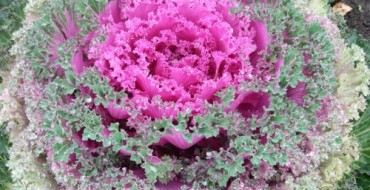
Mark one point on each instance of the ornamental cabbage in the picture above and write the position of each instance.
(178, 94)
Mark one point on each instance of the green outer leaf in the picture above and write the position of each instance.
(362, 132)
(363, 181)
(63, 151)
(5, 178)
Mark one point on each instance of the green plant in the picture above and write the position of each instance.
(359, 178)
(5, 178)
(11, 16)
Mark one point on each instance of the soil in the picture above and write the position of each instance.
(359, 17)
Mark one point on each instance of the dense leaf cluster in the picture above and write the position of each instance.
(84, 150)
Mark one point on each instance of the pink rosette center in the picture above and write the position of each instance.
(171, 56)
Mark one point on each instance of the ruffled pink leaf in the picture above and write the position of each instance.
(323, 113)
(297, 94)
(261, 39)
(117, 112)
(124, 152)
(111, 13)
(177, 139)
(155, 160)
(159, 112)
(66, 29)
(77, 61)
(251, 103)
(184, 77)
(172, 185)
(278, 65)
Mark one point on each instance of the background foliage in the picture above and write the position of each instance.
(11, 16)
(5, 178)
